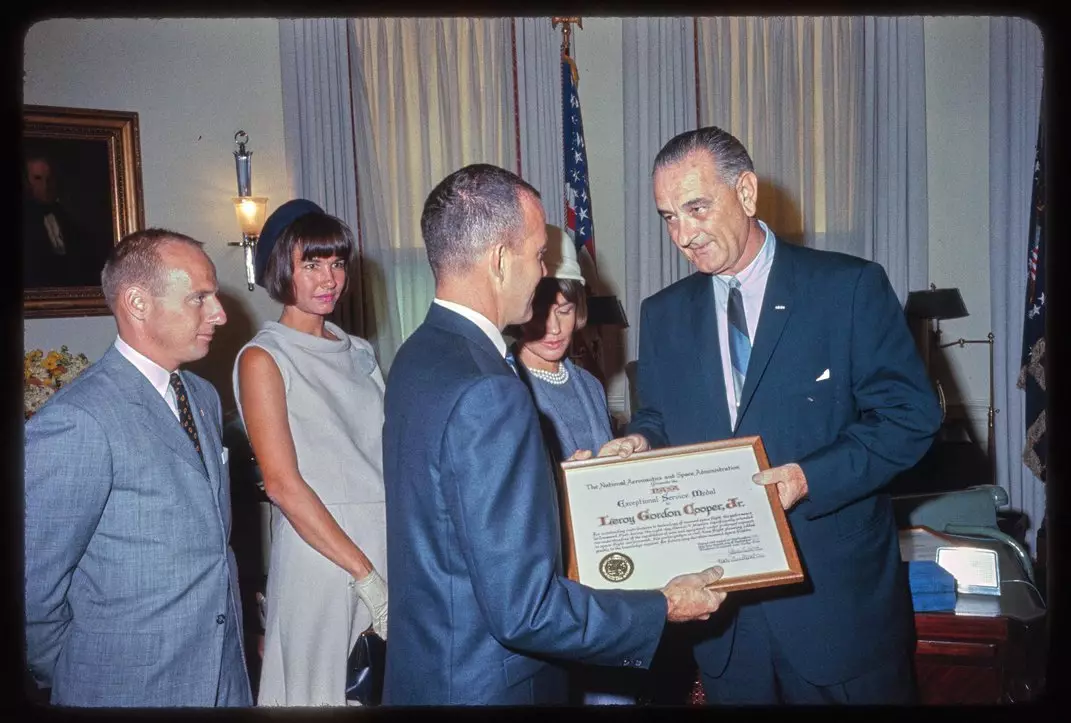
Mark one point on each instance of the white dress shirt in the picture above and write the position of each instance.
(479, 320)
(159, 377)
(752, 289)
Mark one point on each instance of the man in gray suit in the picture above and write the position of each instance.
(131, 586)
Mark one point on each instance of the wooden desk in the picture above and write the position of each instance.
(992, 649)
(978, 660)
(970, 660)
(995, 657)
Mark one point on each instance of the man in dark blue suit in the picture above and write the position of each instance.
(811, 351)
(478, 604)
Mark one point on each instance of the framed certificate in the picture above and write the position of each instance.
(635, 523)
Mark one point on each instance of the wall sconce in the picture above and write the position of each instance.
(938, 304)
(251, 210)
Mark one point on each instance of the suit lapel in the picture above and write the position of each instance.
(211, 447)
(777, 306)
(205, 433)
(150, 412)
(701, 325)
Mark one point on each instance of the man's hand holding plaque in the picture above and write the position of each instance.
(791, 483)
(690, 596)
(625, 446)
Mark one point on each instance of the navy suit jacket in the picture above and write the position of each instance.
(875, 415)
(478, 605)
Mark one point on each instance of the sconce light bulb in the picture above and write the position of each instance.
(251, 212)
(248, 208)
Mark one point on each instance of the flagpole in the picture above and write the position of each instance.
(586, 344)
(566, 23)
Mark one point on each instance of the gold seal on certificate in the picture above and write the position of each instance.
(616, 567)
(635, 523)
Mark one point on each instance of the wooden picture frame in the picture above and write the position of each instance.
(81, 193)
(677, 510)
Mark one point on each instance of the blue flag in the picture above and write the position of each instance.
(578, 221)
(1032, 372)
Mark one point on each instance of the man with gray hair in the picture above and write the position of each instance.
(131, 586)
(479, 607)
(809, 350)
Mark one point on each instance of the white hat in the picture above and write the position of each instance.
(560, 257)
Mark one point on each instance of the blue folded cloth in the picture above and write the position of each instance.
(932, 587)
(933, 601)
(927, 576)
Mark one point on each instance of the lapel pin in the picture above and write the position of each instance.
(779, 307)
(202, 412)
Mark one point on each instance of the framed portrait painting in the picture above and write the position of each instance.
(81, 194)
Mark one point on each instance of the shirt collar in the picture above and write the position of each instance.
(159, 377)
(760, 264)
(479, 320)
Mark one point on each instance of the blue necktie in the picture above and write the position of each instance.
(512, 361)
(739, 341)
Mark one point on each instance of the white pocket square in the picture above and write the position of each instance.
(823, 376)
(225, 455)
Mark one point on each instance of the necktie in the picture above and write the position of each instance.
(185, 415)
(739, 341)
(512, 363)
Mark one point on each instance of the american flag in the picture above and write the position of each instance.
(578, 221)
(1032, 373)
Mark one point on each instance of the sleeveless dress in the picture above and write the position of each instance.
(334, 398)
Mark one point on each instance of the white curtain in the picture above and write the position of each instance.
(833, 112)
(1015, 80)
(318, 130)
(430, 96)
(539, 112)
(659, 98)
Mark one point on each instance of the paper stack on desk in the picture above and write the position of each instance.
(932, 587)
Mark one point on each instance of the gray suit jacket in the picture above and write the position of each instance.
(131, 586)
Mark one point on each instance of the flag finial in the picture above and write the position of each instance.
(566, 22)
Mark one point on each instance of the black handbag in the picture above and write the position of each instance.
(365, 667)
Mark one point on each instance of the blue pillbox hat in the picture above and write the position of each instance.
(277, 222)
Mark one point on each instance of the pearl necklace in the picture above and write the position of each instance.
(559, 377)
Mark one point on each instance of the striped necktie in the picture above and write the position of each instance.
(739, 341)
(185, 414)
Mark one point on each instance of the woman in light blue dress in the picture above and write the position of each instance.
(573, 414)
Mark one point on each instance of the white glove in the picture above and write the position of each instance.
(372, 590)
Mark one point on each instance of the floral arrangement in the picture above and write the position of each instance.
(44, 373)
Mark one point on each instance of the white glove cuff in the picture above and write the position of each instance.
(372, 589)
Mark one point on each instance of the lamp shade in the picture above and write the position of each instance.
(935, 304)
(251, 212)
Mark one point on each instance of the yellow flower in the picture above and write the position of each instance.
(44, 373)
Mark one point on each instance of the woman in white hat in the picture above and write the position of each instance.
(572, 410)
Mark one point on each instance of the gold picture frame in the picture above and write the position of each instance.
(82, 192)
(665, 512)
